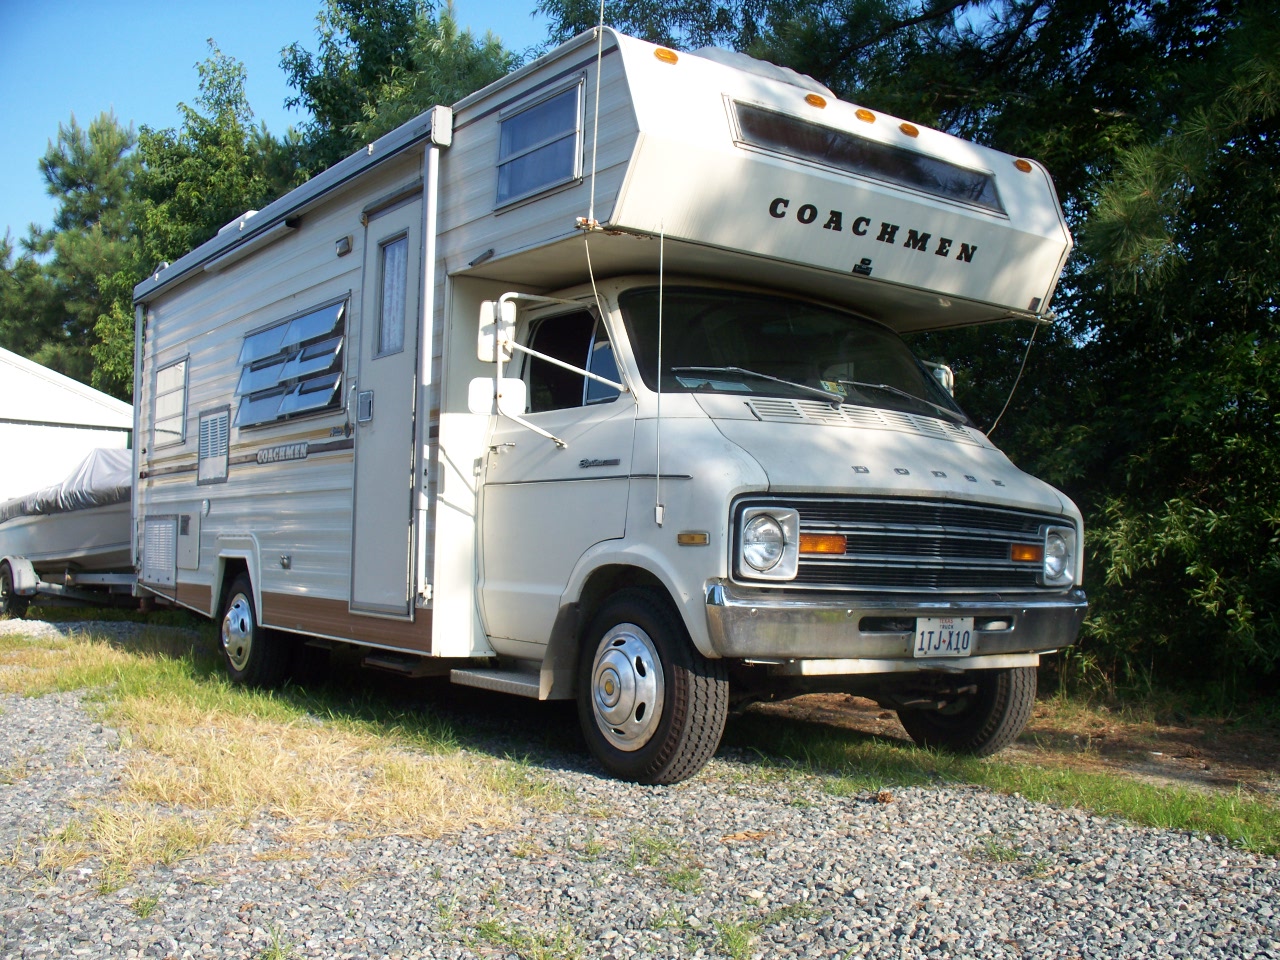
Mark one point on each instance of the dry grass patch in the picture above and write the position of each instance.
(311, 773)
(124, 838)
(78, 662)
(196, 742)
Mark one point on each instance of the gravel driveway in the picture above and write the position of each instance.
(737, 863)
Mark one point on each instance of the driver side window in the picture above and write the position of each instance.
(575, 338)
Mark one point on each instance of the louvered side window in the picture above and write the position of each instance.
(215, 437)
(292, 367)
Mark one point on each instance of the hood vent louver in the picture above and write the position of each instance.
(780, 410)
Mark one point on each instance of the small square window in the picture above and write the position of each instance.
(540, 147)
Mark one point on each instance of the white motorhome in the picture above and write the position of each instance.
(591, 387)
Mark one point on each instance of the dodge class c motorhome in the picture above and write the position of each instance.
(591, 386)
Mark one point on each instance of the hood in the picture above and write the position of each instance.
(811, 447)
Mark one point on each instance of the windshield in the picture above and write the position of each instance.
(728, 341)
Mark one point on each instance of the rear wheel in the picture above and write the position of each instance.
(11, 605)
(255, 655)
(652, 708)
(983, 720)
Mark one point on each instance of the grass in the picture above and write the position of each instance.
(224, 755)
(735, 937)
(855, 764)
(559, 944)
(318, 758)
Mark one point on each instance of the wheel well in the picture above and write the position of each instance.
(561, 658)
(607, 581)
(232, 567)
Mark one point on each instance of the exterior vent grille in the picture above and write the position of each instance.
(778, 410)
(160, 551)
(901, 545)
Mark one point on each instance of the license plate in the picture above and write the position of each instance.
(943, 637)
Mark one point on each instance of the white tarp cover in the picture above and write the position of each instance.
(103, 478)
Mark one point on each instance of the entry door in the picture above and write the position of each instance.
(390, 317)
(544, 506)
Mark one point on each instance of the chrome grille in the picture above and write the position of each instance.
(917, 545)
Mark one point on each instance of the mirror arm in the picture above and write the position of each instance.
(512, 345)
(520, 420)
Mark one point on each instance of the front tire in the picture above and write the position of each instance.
(255, 656)
(982, 722)
(652, 708)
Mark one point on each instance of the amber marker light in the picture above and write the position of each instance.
(814, 100)
(822, 543)
(1026, 552)
(693, 539)
(910, 129)
(866, 116)
(666, 56)
(1023, 165)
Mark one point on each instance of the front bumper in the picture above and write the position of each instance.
(764, 625)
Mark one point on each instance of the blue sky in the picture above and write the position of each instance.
(137, 58)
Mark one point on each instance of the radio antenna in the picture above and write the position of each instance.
(658, 507)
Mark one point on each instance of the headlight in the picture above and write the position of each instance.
(763, 542)
(1059, 556)
(768, 543)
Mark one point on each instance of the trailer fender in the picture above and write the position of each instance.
(26, 581)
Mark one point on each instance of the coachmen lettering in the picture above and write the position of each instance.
(915, 238)
(286, 451)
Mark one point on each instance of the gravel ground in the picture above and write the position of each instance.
(736, 863)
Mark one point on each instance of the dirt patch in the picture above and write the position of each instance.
(1209, 754)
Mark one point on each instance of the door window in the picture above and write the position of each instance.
(579, 339)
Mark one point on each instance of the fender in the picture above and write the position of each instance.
(658, 564)
(240, 546)
(25, 579)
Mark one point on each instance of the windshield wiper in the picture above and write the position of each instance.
(833, 398)
(889, 388)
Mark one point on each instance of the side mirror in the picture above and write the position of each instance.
(945, 376)
(497, 325)
(509, 401)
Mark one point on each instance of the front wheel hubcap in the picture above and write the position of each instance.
(627, 687)
(237, 632)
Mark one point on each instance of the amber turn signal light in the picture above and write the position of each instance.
(1026, 553)
(822, 543)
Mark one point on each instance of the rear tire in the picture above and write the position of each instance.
(980, 723)
(11, 605)
(255, 656)
(652, 708)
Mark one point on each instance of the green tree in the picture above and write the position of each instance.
(360, 42)
(379, 64)
(1183, 244)
(447, 64)
(191, 181)
(54, 292)
(216, 166)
